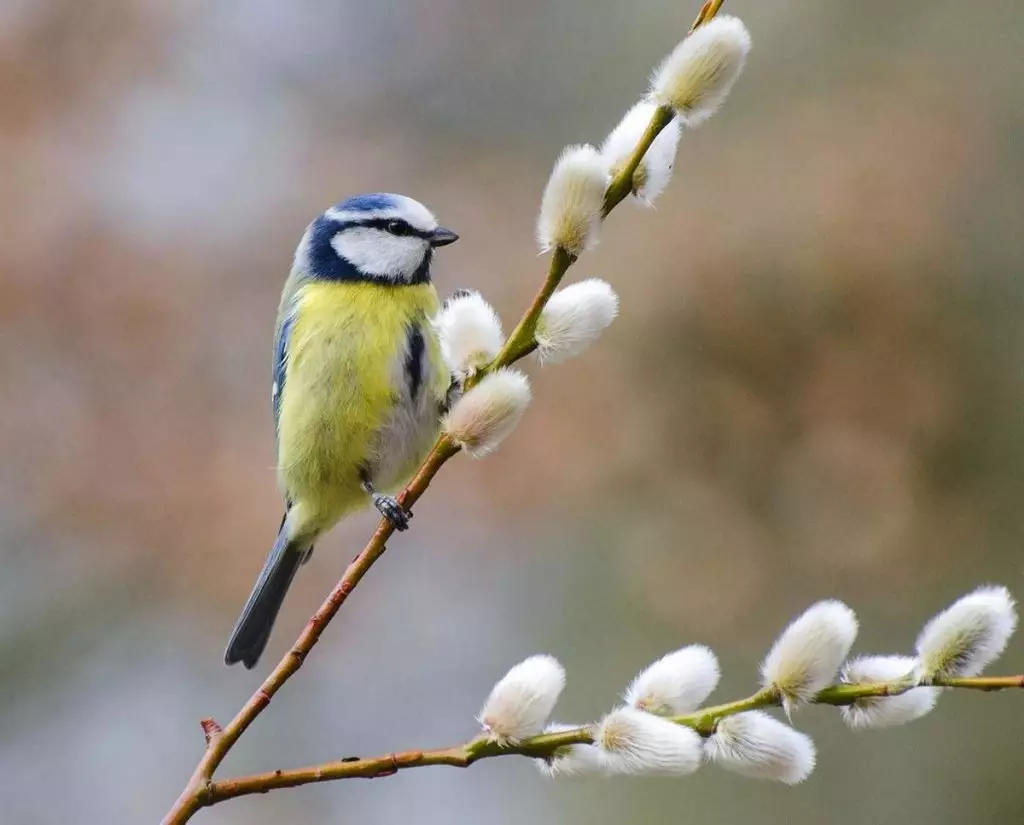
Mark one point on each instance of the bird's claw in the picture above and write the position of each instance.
(392, 511)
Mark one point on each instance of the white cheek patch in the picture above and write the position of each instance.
(376, 252)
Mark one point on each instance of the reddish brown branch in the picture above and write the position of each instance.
(197, 793)
(462, 756)
(378, 767)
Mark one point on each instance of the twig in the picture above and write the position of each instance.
(188, 803)
(521, 342)
(542, 747)
(622, 183)
(197, 792)
(707, 11)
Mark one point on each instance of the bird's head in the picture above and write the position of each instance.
(382, 238)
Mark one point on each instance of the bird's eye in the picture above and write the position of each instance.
(398, 227)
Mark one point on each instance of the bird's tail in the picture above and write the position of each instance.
(252, 630)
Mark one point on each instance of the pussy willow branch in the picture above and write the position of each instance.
(541, 747)
(520, 343)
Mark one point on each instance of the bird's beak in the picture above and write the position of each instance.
(442, 237)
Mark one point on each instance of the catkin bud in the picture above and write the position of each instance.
(805, 658)
(520, 704)
(573, 319)
(572, 760)
(485, 415)
(677, 683)
(655, 170)
(470, 333)
(570, 210)
(967, 636)
(759, 746)
(889, 711)
(696, 77)
(635, 742)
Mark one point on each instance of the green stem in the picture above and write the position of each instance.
(705, 720)
(521, 340)
(982, 682)
(622, 183)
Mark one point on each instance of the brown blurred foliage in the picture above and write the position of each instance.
(813, 389)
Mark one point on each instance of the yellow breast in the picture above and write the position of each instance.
(342, 383)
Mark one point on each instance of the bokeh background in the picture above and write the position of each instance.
(814, 390)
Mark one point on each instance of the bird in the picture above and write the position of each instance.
(359, 383)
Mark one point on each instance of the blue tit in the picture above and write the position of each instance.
(359, 383)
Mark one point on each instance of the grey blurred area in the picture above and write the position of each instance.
(814, 390)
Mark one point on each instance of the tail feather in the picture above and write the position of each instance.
(254, 625)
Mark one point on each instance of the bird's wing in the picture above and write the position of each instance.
(284, 333)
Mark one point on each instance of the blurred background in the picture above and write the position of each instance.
(814, 390)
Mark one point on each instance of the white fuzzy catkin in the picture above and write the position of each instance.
(697, 76)
(570, 209)
(655, 170)
(470, 333)
(573, 319)
(520, 704)
(967, 636)
(677, 683)
(757, 745)
(635, 742)
(806, 657)
(889, 711)
(488, 413)
(572, 760)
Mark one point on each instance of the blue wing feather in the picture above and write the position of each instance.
(281, 366)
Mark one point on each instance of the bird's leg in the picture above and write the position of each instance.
(387, 505)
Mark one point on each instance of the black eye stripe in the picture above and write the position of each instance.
(383, 223)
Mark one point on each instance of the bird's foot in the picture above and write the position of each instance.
(392, 511)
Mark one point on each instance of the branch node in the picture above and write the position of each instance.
(402, 760)
(211, 730)
(204, 793)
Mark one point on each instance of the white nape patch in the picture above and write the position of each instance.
(411, 211)
(301, 259)
(378, 252)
